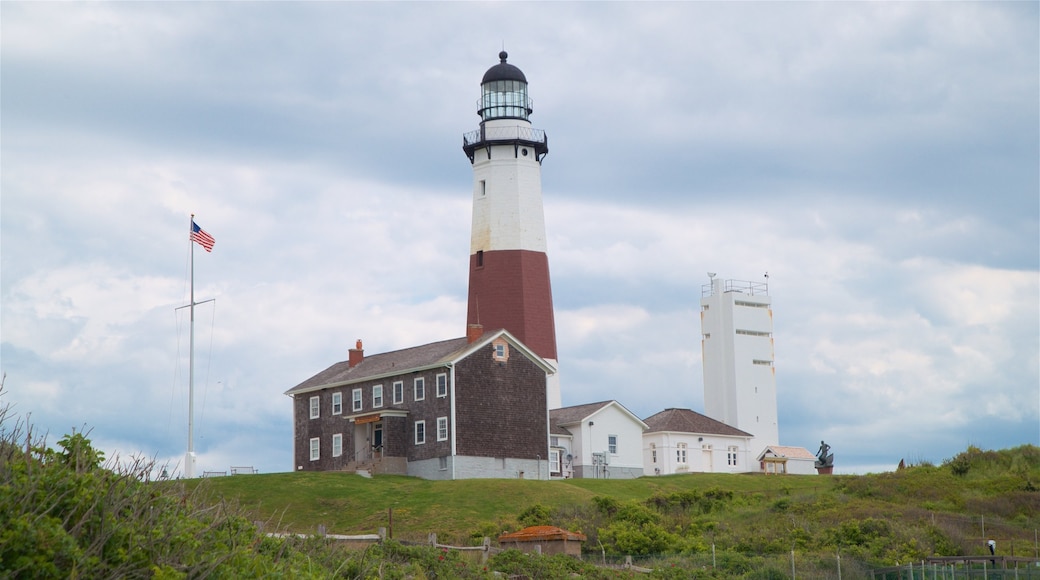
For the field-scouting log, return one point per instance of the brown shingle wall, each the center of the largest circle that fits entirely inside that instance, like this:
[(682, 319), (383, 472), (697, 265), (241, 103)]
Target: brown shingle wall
[(323, 427), (501, 407), (398, 433)]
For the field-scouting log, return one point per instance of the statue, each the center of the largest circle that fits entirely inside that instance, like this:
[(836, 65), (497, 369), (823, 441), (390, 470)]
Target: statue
[(824, 458)]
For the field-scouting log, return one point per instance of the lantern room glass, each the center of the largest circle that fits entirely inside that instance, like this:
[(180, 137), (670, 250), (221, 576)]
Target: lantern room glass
[(504, 100)]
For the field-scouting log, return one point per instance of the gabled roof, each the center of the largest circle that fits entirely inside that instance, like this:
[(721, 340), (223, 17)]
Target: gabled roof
[(559, 418), (787, 452), (398, 362), (688, 421)]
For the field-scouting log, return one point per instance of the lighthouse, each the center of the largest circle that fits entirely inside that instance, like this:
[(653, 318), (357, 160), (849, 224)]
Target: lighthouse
[(508, 267)]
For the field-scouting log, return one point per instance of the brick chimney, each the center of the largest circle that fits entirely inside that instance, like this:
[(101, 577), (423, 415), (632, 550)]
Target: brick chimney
[(474, 332), (357, 354)]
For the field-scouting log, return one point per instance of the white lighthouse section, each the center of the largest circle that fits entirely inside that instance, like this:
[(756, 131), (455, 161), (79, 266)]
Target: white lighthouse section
[(507, 191), (737, 349)]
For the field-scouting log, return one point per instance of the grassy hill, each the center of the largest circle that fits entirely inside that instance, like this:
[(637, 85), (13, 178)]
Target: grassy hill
[(877, 520)]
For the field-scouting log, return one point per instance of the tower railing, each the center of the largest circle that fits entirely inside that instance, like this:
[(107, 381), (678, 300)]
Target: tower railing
[(504, 134), (516, 135), (742, 286)]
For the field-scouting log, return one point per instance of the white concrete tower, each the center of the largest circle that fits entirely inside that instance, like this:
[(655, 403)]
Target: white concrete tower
[(737, 351), (508, 267)]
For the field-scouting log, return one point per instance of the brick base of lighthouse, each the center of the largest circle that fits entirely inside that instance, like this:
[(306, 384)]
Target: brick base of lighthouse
[(510, 289)]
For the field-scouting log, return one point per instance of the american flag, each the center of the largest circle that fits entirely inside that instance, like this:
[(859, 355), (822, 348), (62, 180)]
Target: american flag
[(199, 236)]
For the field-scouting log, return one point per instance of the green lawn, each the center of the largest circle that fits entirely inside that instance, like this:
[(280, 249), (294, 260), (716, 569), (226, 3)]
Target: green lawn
[(350, 504)]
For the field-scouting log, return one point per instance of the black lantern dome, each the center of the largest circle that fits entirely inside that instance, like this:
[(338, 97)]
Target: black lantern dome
[(503, 71)]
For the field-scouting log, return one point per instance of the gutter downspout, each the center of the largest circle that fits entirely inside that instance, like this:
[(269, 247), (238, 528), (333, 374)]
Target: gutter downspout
[(454, 441)]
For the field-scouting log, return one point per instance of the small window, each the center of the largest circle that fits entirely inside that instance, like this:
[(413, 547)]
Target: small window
[(377, 396), (612, 444), (554, 441), (337, 403), (357, 400), (420, 432), (731, 456), (442, 428), (337, 445), (315, 407), (443, 463), (315, 449), (398, 392), (501, 350), (480, 258), (442, 385), (653, 453), (420, 389), (554, 461), (680, 453)]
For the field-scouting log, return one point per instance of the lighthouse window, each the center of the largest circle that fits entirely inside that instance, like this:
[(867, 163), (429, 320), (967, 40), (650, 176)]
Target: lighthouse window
[(504, 99), (480, 258)]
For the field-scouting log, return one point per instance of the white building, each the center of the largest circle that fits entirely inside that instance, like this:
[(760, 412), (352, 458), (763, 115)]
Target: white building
[(781, 459), (685, 441), (737, 350), (601, 440)]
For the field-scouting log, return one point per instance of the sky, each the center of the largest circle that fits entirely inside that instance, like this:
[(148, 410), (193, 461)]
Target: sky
[(878, 160)]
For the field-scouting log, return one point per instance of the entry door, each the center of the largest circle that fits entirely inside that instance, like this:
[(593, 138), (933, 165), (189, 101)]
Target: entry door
[(708, 464), (377, 439)]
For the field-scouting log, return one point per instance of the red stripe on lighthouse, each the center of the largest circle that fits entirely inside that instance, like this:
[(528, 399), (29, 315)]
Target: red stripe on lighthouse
[(511, 290)]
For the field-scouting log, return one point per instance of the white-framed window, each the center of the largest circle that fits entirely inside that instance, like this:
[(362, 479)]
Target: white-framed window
[(420, 432), (398, 392), (315, 407), (442, 428), (680, 453), (377, 396), (612, 444), (356, 394), (442, 385), (731, 456), (315, 448), (337, 403), (337, 444), (554, 461), (653, 453), (500, 351), (419, 389)]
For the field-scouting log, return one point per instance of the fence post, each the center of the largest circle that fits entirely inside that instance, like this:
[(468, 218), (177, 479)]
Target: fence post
[(432, 538), (487, 550), (321, 530)]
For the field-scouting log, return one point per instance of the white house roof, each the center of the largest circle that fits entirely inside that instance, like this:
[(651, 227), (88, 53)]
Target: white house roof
[(688, 421), (787, 452)]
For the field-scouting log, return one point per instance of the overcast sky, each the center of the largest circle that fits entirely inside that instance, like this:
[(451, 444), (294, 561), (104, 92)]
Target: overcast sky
[(878, 160)]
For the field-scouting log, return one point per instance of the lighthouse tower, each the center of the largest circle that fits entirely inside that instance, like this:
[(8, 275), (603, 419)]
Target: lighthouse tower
[(508, 267), (737, 350)]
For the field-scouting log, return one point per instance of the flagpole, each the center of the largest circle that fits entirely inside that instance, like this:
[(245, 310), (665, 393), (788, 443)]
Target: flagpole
[(189, 458)]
